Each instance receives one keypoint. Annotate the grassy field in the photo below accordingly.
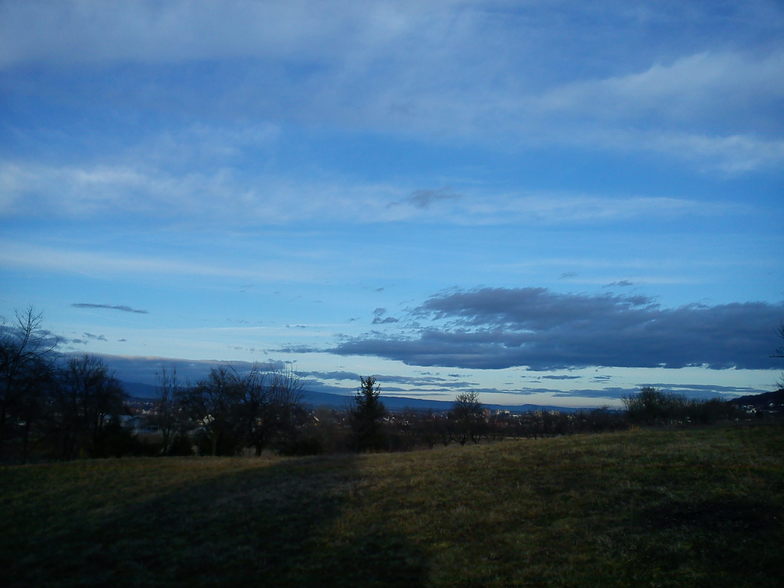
(643, 507)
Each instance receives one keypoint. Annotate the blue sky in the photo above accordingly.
(546, 202)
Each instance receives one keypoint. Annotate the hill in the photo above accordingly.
(653, 507)
(772, 402)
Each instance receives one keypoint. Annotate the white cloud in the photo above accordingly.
(149, 31)
(18, 254)
(505, 74)
(699, 86)
(224, 197)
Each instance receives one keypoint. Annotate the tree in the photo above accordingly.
(85, 400)
(26, 370)
(651, 406)
(467, 417)
(270, 407)
(167, 409)
(780, 354)
(214, 406)
(366, 417)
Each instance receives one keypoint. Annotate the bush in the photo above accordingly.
(654, 407)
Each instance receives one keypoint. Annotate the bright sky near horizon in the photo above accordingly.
(547, 202)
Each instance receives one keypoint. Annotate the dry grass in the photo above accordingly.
(650, 507)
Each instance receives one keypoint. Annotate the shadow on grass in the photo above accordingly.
(279, 525)
(720, 534)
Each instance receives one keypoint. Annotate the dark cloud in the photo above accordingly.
(424, 199)
(385, 321)
(385, 380)
(609, 393)
(706, 390)
(696, 391)
(380, 319)
(336, 375)
(48, 339)
(297, 349)
(534, 327)
(620, 284)
(146, 370)
(560, 377)
(95, 337)
(119, 307)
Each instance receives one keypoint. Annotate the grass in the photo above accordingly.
(651, 507)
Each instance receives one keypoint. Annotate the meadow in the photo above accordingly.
(650, 507)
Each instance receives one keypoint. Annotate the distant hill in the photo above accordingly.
(766, 400)
(339, 401)
(139, 390)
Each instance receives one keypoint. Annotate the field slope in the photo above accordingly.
(650, 507)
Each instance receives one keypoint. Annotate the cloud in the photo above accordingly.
(59, 259)
(438, 71)
(120, 307)
(141, 189)
(150, 32)
(697, 86)
(380, 319)
(424, 199)
(334, 375)
(493, 328)
(148, 190)
(94, 337)
(385, 321)
(147, 370)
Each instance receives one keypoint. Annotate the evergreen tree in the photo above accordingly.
(366, 417)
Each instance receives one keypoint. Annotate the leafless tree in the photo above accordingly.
(213, 405)
(270, 406)
(167, 411)
(780, 354)
(25, 369)
(467, 416)
(84, 400)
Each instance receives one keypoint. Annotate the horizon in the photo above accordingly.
(545, 204)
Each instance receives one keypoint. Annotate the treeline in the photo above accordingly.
(227, 413)
(655, 407)
(56, 407)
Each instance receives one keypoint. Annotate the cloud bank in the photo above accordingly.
(491, 328)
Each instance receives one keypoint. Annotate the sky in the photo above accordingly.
(546, 202)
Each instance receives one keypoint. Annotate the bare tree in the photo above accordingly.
(84, 400)
(269, 406)
(214, 404)
(780, 354)
(25, 371)
(167, 409)
(467, 416)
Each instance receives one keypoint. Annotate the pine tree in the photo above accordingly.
(367, 416)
